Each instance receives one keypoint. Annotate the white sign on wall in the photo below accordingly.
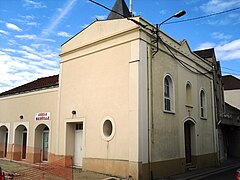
(42, 116)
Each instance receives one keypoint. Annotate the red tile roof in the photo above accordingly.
(41, 83)
(230, 82)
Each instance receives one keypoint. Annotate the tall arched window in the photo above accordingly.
(188, 94)
(168, 94)
(202, 104)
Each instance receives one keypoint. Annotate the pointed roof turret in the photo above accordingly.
(121, 8)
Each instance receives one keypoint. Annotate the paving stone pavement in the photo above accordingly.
(16, 168)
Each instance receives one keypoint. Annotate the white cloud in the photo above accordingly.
(4, 32)
(60, 16)
(33, 4)
(64, 34)
(224, 52)
(206, 45)
(29, 17)
(26, 36)
(33, 37)
(13, 27)
(84, 26)
(100, 17)
(32, 23)
(23, 64)
(213, 6)
(220, 36)
(230, 46)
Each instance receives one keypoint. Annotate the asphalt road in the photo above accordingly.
(227, 175)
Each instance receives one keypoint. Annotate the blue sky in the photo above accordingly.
(32, 31)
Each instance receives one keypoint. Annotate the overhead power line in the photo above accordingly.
(201, 17)
(235, 74)
(234, 70)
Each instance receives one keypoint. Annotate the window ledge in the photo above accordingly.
(203, 118)
(169, 112)
(189, 106)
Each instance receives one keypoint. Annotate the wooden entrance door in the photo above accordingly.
(187, 134)
(6, 143)
(45, 145)
(24, 144)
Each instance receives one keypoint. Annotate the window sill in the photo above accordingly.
(169, 112)
(189, 106)
(203, 118)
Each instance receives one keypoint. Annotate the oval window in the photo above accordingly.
(107, 129)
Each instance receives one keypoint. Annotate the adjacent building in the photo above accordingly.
(121, 105)
(231, 119)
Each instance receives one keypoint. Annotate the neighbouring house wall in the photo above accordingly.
(231, 97)
(168, 143)
(27, 105)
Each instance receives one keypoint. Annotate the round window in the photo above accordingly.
(107, 129)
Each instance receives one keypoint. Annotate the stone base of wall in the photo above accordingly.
(167, 168)
(65, 161)
(1, 154)
(206, 160)
(124, 168)
(119, 168)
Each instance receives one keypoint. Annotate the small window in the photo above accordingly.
(108, 128)
(188, 94)
(202, 104)
(79, 126)
(168, 94)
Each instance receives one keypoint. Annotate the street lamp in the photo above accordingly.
(176, 15)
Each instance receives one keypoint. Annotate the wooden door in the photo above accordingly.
(187, 133)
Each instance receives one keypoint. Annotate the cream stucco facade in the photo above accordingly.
(112, 89)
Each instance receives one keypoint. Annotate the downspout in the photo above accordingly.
(215, 111)
(150, 111)
(215, 136)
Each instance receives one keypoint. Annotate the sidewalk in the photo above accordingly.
(201, 173)
(19, 168)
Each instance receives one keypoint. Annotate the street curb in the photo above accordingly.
(209, 173)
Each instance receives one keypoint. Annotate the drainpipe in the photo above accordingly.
(150, 111)
(215, 131)
(214, 90)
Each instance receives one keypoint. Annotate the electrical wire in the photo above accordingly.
(201, 17)
(230, 69)
(235, 74)
(184, 64)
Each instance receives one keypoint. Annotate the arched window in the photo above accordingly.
(202, 104)
(188, 94)
(168, 94)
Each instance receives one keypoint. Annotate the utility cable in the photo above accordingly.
(230, 69)
(133, 20)
(201, 17)
(157, 30)
(184, 64)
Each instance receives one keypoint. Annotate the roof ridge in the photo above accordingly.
(40, 83)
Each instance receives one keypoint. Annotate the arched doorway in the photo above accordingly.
(189, 134)
(41, 143)
(3, 141)
(20, 143)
